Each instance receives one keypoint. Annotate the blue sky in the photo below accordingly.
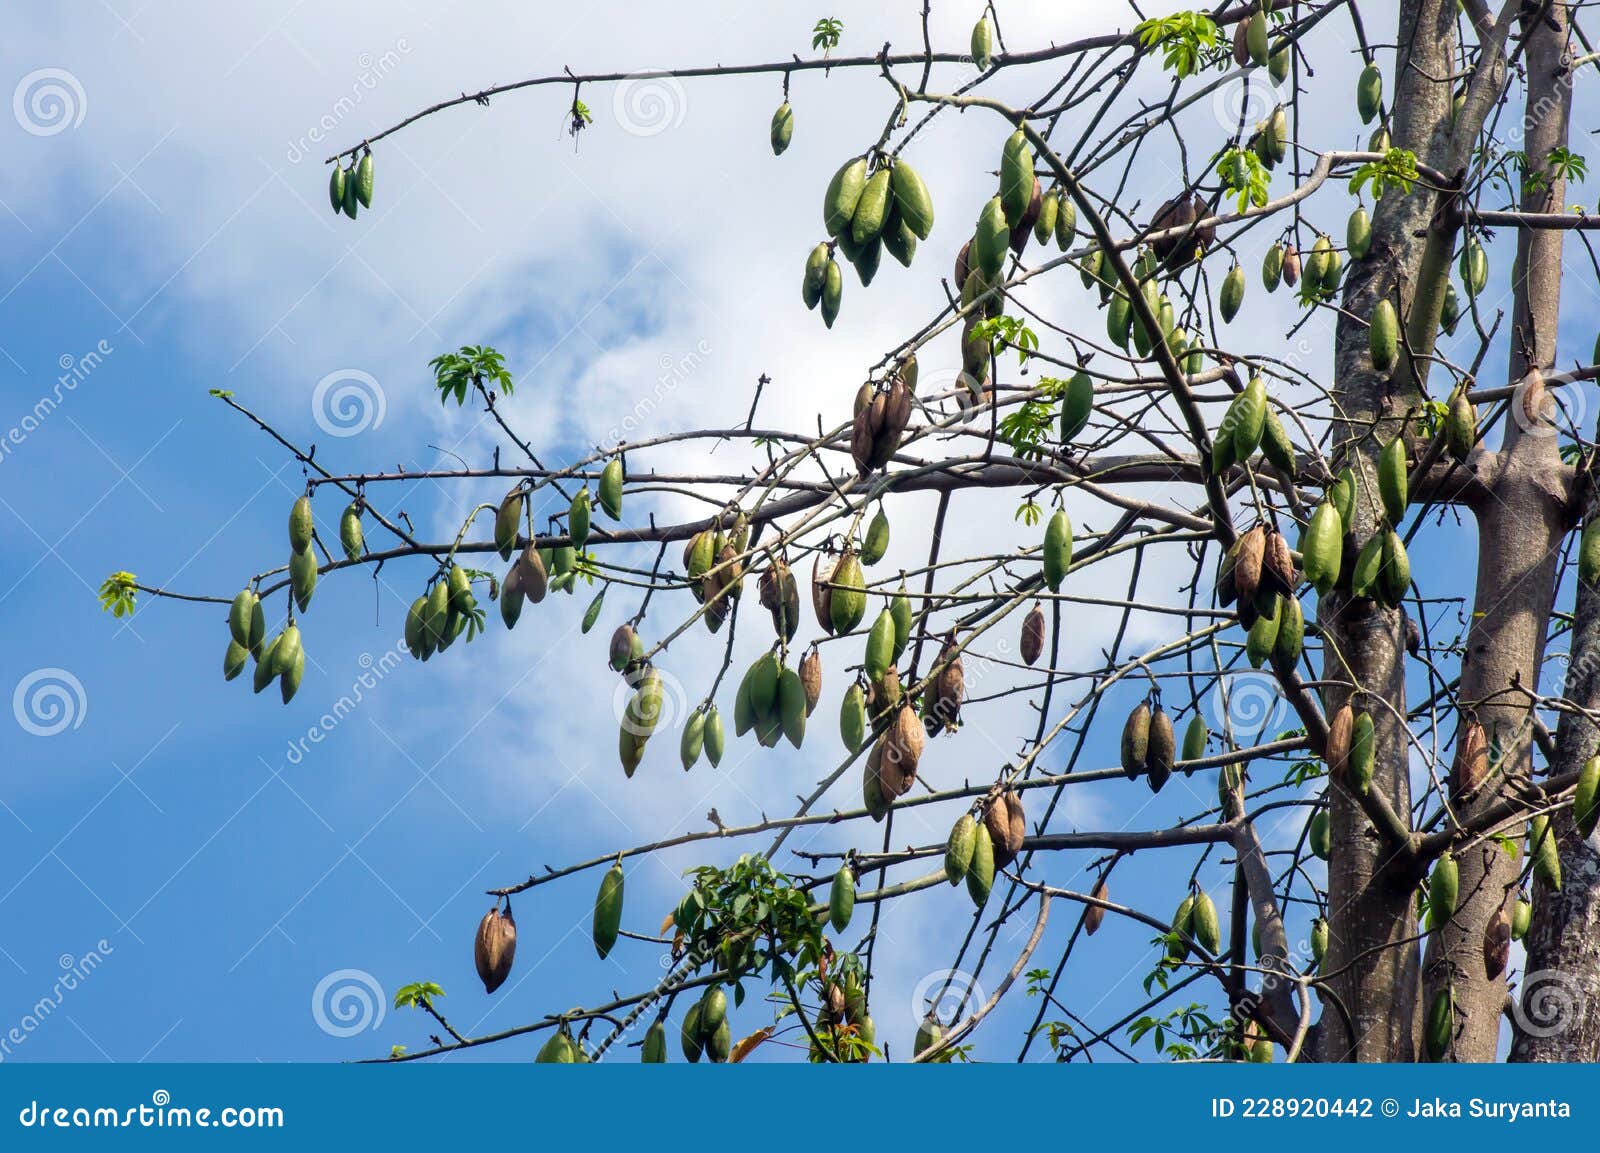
(164, 232)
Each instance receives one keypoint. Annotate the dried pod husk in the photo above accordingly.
(862, 438)
(949, 687)
(780, 595)
(899, 750)
(884, 697)
(1161, 749)
(1470, 767)
(1248, 564)
(1007, 825)
(811, 678)
(1337, 752)
(625, 644)
(1222, 587)
(1278, 573)
(892, 425)
(1291, 267)
(1136, 740)
(495, 947)
(1182, 212)
(1033, 635)
(1497, 943)
(1094, 914)
(821, 592)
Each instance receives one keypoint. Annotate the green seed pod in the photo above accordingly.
(352, 197)
(1263, 636)
(872, 210)
(843, 193)
(792, 706)
(982, 44)
(877, 539)
(266, 665)
(336, 188)
(853, 718)
(1232, 294)
(1057, 550)
(1321, 836)
(1588, 554)
(689, 1034)
(241, 614)
(1077, 403)
(1255, 39)
(558, 1050)
(1044, 227)
(841, 899)
(991, 240)
(1521, 918)
(234, 659)
(1369, 93)
(1207, 930)
(578, 514)
(1291, 633)
(300, 525)
(1383, 336)
(1066, 220)
(303, 577)
(1474, 267)
(1195, 737)
(900, 610)
(364, 180)
(654, 1049)
(608, 910)
(1358, 234)
(1393, 485)
(911, 199)
(1319, 940)
(1443, 889)
(959, 848)
(847, 599)
(1363, 753)
(1441, 1025)
(289, 679)
(1542, 849)
(715, 739)
(611, 488)
(693, 740)
(1181, 931)
(782, 128)
(880, 646)
(832, 292)
(1272, 268)
(1586, 798)
(980, 871)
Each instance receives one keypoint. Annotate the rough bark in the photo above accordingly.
(1521, 523)
(1369, 889)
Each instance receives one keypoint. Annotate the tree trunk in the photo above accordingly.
(1369, 893)
(1521, 523)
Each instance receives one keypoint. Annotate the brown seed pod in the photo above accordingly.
(1161, 750)
(821, 598)
(883, 696)
(1223, 588)
(1007, 825)
(1094, 914)
(1248, 564)
(1241, 47)
(899, 750)
(889, 422)
(963, 264)
(1033, 635)
(811, 678)
(1471, 765)
(1030, 217)
(1497, 943)
(949, 687)
(1180, 249)
(534, 579)
(861, 438)
(780, 596)
(1136, 740)
(1291, 268)
(1277, 566)
(1337, 752)
(1413, 637)
(495, 947)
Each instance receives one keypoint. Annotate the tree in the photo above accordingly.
(1446, 808)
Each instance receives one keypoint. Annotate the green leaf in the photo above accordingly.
(118, 593)
(416, 995)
